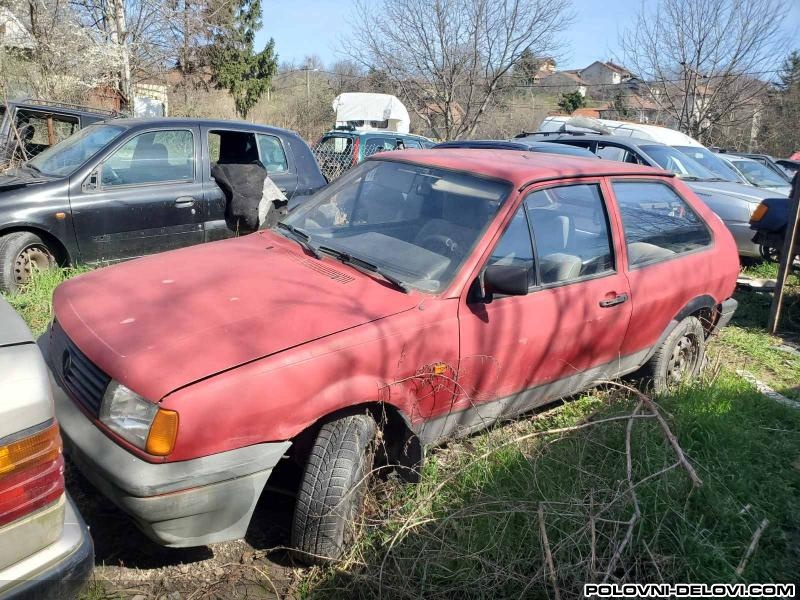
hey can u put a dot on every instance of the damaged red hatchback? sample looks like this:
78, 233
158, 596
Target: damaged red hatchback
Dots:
423, 295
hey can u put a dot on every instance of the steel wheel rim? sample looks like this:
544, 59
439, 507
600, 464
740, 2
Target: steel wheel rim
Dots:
31, 257
684, 357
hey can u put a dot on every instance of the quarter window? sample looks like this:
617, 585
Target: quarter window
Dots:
152, 157
658, 223
570, 233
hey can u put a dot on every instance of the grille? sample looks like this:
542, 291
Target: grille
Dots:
84, 380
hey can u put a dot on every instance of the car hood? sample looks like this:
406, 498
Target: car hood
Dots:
13, 329
162, 322
19, 179
732, 189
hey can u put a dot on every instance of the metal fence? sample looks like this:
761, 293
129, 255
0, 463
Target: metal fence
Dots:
334, 161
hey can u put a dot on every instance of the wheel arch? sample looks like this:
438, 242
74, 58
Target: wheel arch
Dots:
60, 250
704, 307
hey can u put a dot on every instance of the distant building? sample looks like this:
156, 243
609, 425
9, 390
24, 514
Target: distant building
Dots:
13, 34
561, 82
605, 73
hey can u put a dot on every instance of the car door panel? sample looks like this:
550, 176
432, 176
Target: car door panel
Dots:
121, 218
523, 350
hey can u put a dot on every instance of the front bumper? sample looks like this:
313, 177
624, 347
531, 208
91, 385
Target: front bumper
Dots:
180, 504
57, 571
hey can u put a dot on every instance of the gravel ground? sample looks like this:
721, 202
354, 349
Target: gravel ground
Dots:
130, 566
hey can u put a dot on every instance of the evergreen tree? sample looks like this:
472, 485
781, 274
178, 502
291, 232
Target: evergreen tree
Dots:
789, 75
571, 101
235, 65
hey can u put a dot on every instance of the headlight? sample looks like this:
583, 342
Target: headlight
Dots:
138, 421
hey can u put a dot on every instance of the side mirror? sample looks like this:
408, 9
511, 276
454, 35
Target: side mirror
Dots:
508, 280
91, 181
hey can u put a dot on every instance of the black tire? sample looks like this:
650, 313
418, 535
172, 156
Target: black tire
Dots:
331, 497
679, 358
19, 252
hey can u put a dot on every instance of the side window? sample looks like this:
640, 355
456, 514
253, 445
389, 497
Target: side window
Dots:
272, 155
232, 147
617, 153
658, 223
514, 246
151, 157
570, 232
409, 143
375, 144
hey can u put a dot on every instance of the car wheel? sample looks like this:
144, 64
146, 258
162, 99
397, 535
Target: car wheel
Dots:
331, 497
21, 253
770, 253
680, 357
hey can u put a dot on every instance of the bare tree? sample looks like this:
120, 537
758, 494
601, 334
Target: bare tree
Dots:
448, 58
705, 62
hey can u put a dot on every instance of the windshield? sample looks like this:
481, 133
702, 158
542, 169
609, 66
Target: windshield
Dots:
758, 174
710, 161
415, 223
679, 163
65, 157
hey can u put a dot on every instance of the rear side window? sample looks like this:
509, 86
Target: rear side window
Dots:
336, 144
272, 155
658, 223
376, 144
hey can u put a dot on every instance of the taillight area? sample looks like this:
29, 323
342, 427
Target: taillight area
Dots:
31, 473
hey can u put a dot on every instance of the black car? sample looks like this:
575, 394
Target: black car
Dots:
128, 187
527, 145
29, 126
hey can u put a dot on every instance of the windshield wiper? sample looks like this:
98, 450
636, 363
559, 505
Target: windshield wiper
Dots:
301, 237
36, 170
354, 261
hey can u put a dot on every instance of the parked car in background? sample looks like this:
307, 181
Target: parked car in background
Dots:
422, 295
766, 160
523, 144
732, 202
45, 548
758, 174
129, 187
642, 131
344, 147
29, 126
790, 166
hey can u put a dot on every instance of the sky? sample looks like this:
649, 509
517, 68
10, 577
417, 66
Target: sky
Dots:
304, 27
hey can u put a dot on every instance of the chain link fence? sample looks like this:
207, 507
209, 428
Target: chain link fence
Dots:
336, 155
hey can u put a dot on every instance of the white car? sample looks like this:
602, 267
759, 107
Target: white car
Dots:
758, 174
45, 547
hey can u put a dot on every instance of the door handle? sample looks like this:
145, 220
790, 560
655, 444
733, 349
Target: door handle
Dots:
184, 202
619, 299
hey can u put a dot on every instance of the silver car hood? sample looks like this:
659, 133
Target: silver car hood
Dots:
732, 189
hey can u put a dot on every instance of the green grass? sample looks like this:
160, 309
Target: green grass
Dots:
34, 301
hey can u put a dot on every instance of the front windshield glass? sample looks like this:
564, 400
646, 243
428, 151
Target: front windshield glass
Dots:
65, 157
415, 223
758, 174
710, 161
677, 162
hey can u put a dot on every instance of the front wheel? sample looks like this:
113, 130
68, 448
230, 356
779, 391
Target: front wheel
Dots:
330, 502
22, 253
679, 357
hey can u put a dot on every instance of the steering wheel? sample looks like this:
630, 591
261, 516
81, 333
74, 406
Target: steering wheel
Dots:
440, 244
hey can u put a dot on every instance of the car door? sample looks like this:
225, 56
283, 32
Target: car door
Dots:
277, 160
143, 197
519, 351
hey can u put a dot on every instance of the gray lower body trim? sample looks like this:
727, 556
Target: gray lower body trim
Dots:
480, 416
179, 504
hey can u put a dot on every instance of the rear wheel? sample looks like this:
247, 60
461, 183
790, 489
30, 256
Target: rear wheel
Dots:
330, 502
22, 253
680, 356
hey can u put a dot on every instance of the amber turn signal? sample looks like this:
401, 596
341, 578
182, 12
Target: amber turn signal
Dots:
759, 213
163, 431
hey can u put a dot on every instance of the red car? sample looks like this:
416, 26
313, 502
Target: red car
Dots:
423, 295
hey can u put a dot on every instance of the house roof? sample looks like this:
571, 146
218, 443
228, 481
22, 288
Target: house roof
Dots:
571, 75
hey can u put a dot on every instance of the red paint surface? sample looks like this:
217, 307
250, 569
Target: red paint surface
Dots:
250, 342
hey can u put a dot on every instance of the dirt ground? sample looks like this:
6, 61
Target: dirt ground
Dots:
130, 566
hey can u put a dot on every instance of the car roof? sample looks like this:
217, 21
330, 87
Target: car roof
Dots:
594, 137
156, 122
42, 106
520, 168
518, 144
359, 132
